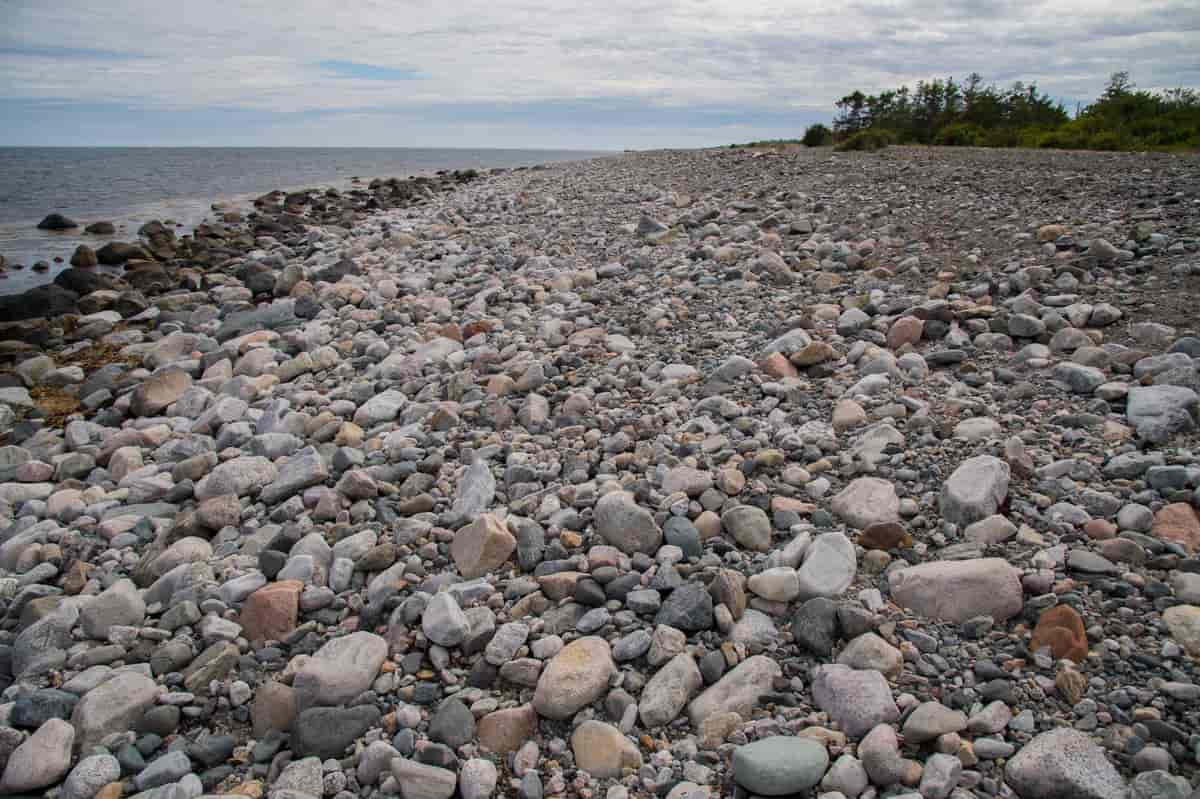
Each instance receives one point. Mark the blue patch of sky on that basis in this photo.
(359, 71)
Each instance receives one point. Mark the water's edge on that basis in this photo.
(23, 245)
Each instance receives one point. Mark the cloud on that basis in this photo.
(632, 72)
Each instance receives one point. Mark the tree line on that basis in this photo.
(976, 114)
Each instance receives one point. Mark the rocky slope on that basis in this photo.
(677, 474)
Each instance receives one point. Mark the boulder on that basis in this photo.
(957, 590)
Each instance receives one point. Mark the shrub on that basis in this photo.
(962, 134)
(868, 140)
(817, 136)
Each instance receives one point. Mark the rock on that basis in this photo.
(829, 567)
(112, 706)
(1183, 621)
(749, 526)
(1063, 764)
(867, 501)
(1178, 522)
(880, 754)
(157, 392)
(1061, 629)
(270, 613)
(777, 585)
(1159, 412)
(340, 670)
(453, 724)
(688, 608)
(1159, 784)
(304, 469)
(975, 490)
(419, 781)
(57, 222)
(478, 779)
(89, 776)
(856, 700)
(815, 626)
(326, 732)
(602, 751)
(120, 605)
(41, 760)
(623, 523)
(504, 731)
(869, 651)
(482, 547)
(736, 692)
(444, 622)
(779, 765)
(274, 708)
(574, 678)
(667, 693)
(883, 536)
(959, 590)
(930, 720)
(685, 479)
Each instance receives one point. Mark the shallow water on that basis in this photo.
(129, 186)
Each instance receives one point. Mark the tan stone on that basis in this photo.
(156, 392)
(504, 731)
(482, 546)
(274, 708)
(603, 751)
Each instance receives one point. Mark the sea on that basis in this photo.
(130, 186)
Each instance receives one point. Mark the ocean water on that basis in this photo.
(129, 186)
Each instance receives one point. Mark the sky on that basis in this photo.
(604, 74)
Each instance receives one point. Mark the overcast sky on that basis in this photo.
(605, 74)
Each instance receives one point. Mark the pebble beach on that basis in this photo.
(772, 472)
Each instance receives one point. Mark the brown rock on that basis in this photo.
(1061, 629)
(482, 546)
(812, 354)
(1100, 529)
(1179, 523)
(777, 366)
(274, 708)
(905, 330)
(84, 256)
(270, 612)
(728, 588)
(113, 790)
(218, 512)
(504, 731)
(76, 577)
(1071, 685)
(884, 535)
(156, 392)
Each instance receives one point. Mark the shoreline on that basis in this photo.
(674, 473)
(22, 243)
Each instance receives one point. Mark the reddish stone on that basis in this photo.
(1178, 523)
(778, 367)
(270, 612)
(1061, 629)
(507, 730)
(1100, 529)
(905, 330)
